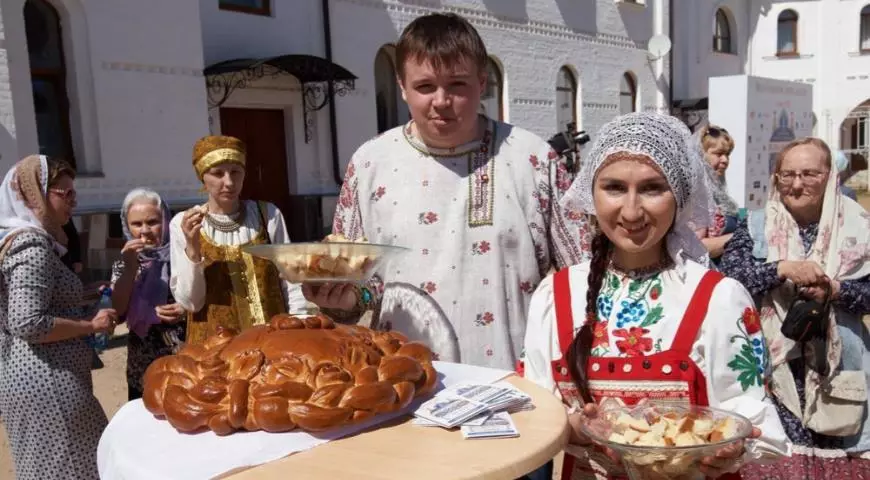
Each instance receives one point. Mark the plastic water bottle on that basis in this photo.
(101, 339)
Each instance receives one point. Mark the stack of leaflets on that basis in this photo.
(499, 425)
(483, 410)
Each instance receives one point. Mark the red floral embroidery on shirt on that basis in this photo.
(489, 351)
(526, 287)
(425, 251)
(379, 193)
(552, 155)
(533, 159)
(428, 287)
(427, 218)
(486, 281)
(600, 337)
(634, 343)
(751, 320)
(484, 319)
(479, 248)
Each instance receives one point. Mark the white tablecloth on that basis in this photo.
(136, 445)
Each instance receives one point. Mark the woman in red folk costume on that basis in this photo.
(651, 319)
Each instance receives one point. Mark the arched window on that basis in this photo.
(865, 29)
(566, 99)
(722, 33)
(48, 79)
(786, 33)
(627, 94)
(491, 100)
(386, 91)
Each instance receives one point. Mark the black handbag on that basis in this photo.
(807, 319)
(807, 322)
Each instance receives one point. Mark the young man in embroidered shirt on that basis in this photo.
(474, 199)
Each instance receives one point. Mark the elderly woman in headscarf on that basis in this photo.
(647, 311)
(141, 286)
(717, 145)
(811, 242)
(47, 403)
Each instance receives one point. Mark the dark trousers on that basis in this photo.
(545, 472)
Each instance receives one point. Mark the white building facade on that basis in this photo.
(123, 88)
(824, 43)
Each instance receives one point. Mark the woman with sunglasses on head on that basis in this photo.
(652, 320)
(717, 145)
(47, 403)
(811, 242)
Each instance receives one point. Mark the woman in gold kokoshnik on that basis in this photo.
(211, 277)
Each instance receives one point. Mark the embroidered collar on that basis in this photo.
(466, 148)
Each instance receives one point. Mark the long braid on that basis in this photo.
(581, 347)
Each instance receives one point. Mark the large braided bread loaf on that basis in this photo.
(306, 373)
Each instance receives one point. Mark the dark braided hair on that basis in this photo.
(581, 347)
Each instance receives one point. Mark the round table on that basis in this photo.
(400, 450)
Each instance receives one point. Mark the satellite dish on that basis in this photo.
(659, 46)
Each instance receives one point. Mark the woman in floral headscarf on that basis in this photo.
(651, 320)
(141, 283)
(808, 239)
(47, 403)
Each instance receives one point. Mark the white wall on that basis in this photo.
(694, 59)
(531, 40)
(136, 94)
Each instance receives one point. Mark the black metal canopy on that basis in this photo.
(321, 80)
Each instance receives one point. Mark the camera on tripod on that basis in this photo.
(567, 144)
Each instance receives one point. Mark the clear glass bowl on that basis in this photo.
(320, 262)
(663, 462)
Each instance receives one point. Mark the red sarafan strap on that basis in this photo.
(564, 314)
(696, 312)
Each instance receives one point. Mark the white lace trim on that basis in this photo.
(670, 145)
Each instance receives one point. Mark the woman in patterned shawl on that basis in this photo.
(141, 286)
(47, 403)
(808, 239)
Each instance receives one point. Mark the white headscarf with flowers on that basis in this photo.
(842, 250)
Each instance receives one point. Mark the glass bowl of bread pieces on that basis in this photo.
(335, 259)
(663, 441)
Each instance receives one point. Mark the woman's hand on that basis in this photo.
(801, 273)
(104, 321)
(726, 460)
(170, 313)
(577, 437)
(130, 253)
(191, 224)
(333, 296)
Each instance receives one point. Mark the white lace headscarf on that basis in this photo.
(670, 146)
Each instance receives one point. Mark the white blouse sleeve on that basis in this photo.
(187, 280)
(540, 347)
(296, 302)
(734, 359)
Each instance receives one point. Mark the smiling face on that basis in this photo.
(443, 102)
(634, 205)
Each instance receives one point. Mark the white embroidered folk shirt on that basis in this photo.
(483, 226)
(187, 280)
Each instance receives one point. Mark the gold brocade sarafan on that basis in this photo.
(241, 290)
